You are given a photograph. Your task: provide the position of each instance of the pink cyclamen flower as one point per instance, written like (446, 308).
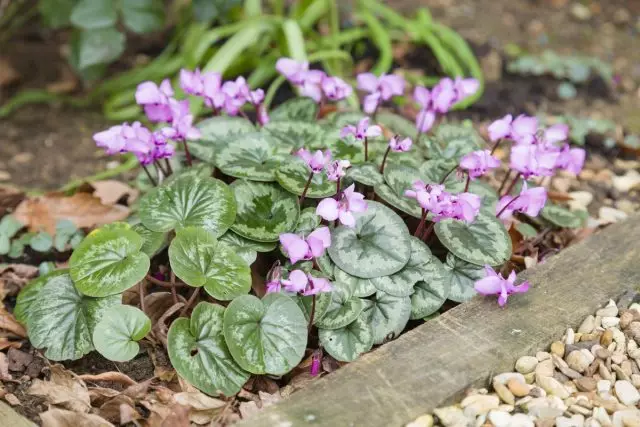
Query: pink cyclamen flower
(212, 92)
(379, 89)
(522, 130)
(500, 128)
(495, 284)
(274, 277)
(316, 161)
(317, 285)
(362, 131)
(111, 140)
(533, 160)
(192, 82)
(443, 95)
(138, 139)
(465, 87)
(182, 128)
(311, 85)
(556, 133)
(529, 201)
(422, 96)
(292, 70)
(305, 284)
(336, 169)
(465, 207)
(350, 202)
(335, 89)
(478, 163)
(400, 145)
(155, 100)
(571, 159)
(432, 197)
(313, 246)
(236, 93)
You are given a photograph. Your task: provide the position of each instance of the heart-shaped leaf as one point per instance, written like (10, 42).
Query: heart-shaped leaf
(9, 226)
(307, 222)
(343, 310)
(216, 132)
(462, 277)
(198, 259)
(323, 300)
(365, 173)
(398, 179)
(267, 336)
(561, 217)
(388, 316)
(421, 263)
(293, 135)
(452, 141)
(326, 265)
(58, 317)
(294, 174)
(343, 149)
(378, 245)
(431, 292)
(116, 335)
(153, 241)
(302, 109)
(252, 156)
(41, 242)
(434, 170)
(199, 354)
(356, 286)
(264, 210)
(484, 241)
(247, 249)
(347, 343)
(189, 201)
(109, 261)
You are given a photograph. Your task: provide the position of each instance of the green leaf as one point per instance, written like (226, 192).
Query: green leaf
(344, 118)
(485, 241)
(56, 13)
(347, 343)
(17, 248)
(267, 336)
(421, 264)
(153, 241)
(245, 248)
(116, 335)
(356, 286)
(323, 301)
(307, 222)
(99, 46)
(264, 210)
(431, 291)
(452, 141)
(143, 16)
(398, 179)
(5, 244)
(396, 124)
(561, 217)
(76, 239)
(293, 135)
(388, 316)
(301, 109)
(342, 310)
(216, 132)
(41, 242)
(326, 265)
(252, 156)
(94, 14)
(365, 173)
(378, 245)
(189, 201)
(65, 230)
(198, 259)
(9, 226)
(58, 317)
(435, 169)
(199, 354)
(527, 231)
(202, 170)
(343, 149)
(108, 261)
(462, 278)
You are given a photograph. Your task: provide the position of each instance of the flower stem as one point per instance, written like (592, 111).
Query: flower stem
(187, 153)
(168, 165)
(507, 205)
(174, 294)
(423, 220)
(306, 188)
(366, 148)
(428, 231)
(504, 181)
(153, 181)
(320, 106)
(513, 184)
(495, 146)
(444, 178)
(158, 165)
(384, 159)
(313, 312)
(466, 185)
(190, 302)
(337, 196)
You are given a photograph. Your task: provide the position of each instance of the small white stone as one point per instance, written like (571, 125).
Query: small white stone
(604, 386)
(635, 306)
(590, 357)
(591, 422)
(588, 325)
(521, 420)
(503, 378)
(545, 368)
(610, 310)
(626, 418)
(574, 421)
(543, 355)
(627, 394)
(423, 421)
(570, 336)
(577, 361)
(479, 404)
(451, 416)
(526, 364)
(600, 414)
(553, 386)
(500, 419)
(609, 322)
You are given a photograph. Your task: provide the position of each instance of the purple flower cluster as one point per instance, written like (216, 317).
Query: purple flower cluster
(529, 202)
(478, 163)
(442, 204)
(361, 131)
(495, 284)
(379, 89)
(350, 202)
(146, 145)
(302, 283)
(314, 84)
(440, 99)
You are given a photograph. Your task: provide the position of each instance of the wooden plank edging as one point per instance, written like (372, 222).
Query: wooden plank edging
(435, 362)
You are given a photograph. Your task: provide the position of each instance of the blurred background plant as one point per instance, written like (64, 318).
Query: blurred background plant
(233, 37)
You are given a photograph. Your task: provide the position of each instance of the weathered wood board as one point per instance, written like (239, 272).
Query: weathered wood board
(437, 361)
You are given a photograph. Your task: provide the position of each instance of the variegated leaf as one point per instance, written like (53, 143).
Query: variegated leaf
(431, 292)
(323, 300)
(484, 241)
(153, 241)
(308, 221)
(117, 334)
(344, 118)
(189, 201)
(247, 249)
(365, 173)
(216, 132)
(326, 265)
(347, 343)
(252, 156)
(108, 261)
(398, 179)
(434, 170)
(356, 286)
(293, 175)
(452, 141)
(264, 210)
(462, 278)
(396, 124)
(198, 259)
(378, 245)
(267, 336)
(389, 316)
(294, 135)
(301, 109)
(561, 217)
(343, 310)
(198, 352)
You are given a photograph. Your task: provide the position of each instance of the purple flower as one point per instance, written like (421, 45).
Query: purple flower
(495, 284)
(274, 277)
(533, 160)
(316, 161)
(274, 286)
(465, 207)
(556, 133)
(465, 87)
(317, 285)
(478, 163)
(311, 85)
(336, 169)
(500, 128)
(362, 131)
(443, 95)
(155, 100)
(212, 91)
(236, 93)
(182, 125)
(111, 140)
(432, 197)
(192, 82)
(306, 284)
(159, 149)
(522, 130)
(350, 202)
(335, 89)
(571, 159)
(400, 145)
(529, 201)
(423, 97)
(425, 120)
(313, 246)
(379, 89)
(292, 70)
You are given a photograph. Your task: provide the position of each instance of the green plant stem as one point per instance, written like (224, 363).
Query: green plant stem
(153, 181)
(306, 188)
(513, 184)
(278, 7)
(384, 159)
(423, 220)
(312, 314)
(168, 165)
(190, 302)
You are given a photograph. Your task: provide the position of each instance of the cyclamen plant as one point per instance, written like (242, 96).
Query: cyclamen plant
(340, 194)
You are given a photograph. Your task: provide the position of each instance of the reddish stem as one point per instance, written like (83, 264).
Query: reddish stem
(191, 300)
(168, 165)
(506, 206)
(306, 188)
(495, 146)
(141, 294)
(187, 153)
(384, 159)
(513, 184)
(366, 148)
(313, 312)
(428, 231)
(504, 181)
(174, 294)
(423, 220)
(447, 174)
(466, 186)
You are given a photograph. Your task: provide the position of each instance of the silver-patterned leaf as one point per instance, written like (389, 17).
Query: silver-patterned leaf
(216, 132)
(355, 285)
(293, 175)
(452, 141)
(396, 123)
(398, 179)
(247, 249)
(264, 210)
(199, 354)
(267, 336)
(323, 300)
(307, 222)
(389, 316)
(326, 265)
(561, 217)
(153, 241)
(484, 241)
(432, 291)
(301, 109)
(342, 310)
(252, 156)
(294, 135)
(435, 169)
(344, 118)
(462, 278)
(189, 201)
(365, 173)
(347, 343)
(378, 245)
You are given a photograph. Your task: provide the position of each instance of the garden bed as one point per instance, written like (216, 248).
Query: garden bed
(436, 362)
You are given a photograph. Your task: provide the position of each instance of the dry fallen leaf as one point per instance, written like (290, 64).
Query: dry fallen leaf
(67, 82)
(157, 303)
(8, 74)
(60, 418)
(10, 197)
(117, 377)
(9, 323)
(64, 389)
(4, 367)
(6, 343)
(13, 277)
(100, 395)
(203, 408)
(12, 399)
(83, 209)
(110, 191)
(111, 411)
